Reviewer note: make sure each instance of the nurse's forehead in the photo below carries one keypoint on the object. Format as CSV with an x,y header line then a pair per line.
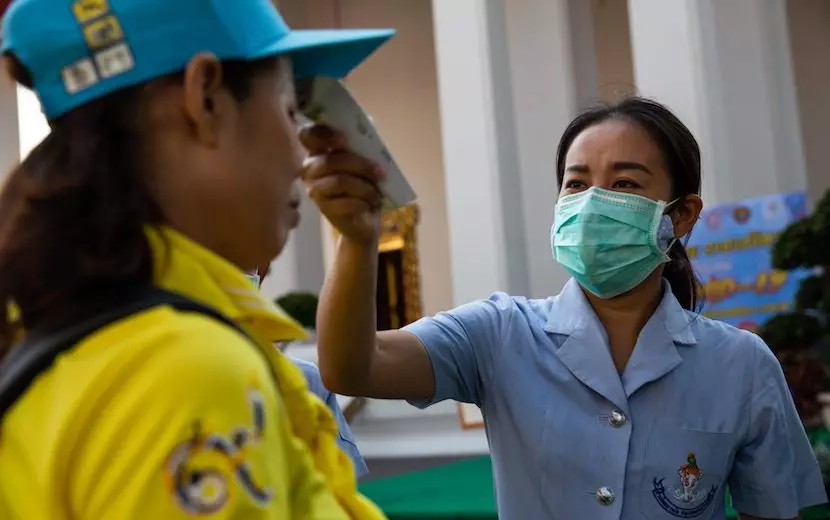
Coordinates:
x,y
617,139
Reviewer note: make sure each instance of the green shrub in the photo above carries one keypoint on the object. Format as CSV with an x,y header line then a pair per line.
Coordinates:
x,y
791,331
810,293
302,306
794,247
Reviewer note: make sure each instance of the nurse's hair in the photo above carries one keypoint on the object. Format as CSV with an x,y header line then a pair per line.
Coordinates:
x,y
73,214
681,155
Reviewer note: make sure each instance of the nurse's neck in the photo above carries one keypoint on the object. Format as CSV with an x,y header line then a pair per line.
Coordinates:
x,y
625,316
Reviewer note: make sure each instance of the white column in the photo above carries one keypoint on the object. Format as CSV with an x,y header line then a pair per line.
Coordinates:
x,y
300,266
553,73
32,124
726,69
508,84
486,242
9,128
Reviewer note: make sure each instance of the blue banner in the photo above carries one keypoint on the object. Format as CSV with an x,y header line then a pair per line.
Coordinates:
x,y
730,251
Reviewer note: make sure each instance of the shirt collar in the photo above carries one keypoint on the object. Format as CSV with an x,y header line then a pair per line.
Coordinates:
x,y
185,267
569,309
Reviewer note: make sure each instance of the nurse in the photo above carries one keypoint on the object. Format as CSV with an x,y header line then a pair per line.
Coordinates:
x,y
614,399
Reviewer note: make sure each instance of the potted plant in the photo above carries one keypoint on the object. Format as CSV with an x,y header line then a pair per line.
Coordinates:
x,y
302,306
801,338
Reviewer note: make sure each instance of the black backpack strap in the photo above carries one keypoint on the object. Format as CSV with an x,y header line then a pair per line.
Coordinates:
x,y
36,353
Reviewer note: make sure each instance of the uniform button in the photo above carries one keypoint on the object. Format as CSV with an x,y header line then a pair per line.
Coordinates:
x,y
617,419
605,496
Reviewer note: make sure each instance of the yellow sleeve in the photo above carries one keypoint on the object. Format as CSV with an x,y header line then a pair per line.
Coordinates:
x,y
198,429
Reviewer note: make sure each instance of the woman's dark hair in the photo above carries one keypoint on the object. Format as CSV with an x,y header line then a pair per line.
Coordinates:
x,y
681,155
73,213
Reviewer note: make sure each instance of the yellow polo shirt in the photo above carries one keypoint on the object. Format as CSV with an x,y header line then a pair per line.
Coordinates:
x,y
169,415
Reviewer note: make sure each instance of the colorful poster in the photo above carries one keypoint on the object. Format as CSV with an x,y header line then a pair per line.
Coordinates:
x,y
730,250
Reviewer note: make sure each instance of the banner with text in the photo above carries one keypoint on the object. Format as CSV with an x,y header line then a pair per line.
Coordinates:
x,y
730,251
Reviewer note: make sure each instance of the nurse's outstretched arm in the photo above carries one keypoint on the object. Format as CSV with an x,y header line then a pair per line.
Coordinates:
x,y
449,356
446,357
354,359
775,473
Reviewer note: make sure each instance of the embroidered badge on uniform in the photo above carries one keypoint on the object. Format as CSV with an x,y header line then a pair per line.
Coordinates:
x,y
204,491
685,500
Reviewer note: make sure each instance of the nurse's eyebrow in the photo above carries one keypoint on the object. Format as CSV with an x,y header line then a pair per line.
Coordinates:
x,y
628,165
577,168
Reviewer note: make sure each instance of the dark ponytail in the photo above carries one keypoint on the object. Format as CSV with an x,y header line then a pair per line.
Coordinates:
x,y
73,214
681,276
681,155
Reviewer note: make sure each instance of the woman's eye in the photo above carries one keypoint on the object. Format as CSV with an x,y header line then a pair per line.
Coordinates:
x,y
625,184
574,185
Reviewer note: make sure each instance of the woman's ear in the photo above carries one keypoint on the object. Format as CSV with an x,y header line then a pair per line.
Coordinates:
x,y
201,91
685,214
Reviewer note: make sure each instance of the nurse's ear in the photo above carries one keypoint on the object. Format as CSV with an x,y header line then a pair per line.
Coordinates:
x,y
685,213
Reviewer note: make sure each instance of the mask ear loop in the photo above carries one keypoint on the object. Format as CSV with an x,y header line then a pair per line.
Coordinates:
x,y
668,204
671,245
675,239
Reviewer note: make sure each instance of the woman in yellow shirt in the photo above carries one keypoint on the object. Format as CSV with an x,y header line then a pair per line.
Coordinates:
x,y
169,170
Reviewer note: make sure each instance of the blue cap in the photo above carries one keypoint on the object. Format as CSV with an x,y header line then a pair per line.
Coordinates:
x,y
80,50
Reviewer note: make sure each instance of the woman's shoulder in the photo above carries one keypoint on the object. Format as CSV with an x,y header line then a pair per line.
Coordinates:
x,y
710,333
149,365
510,308
731,347
166,343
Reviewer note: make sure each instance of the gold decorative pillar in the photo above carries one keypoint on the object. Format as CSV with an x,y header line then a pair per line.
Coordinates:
x,y
399,274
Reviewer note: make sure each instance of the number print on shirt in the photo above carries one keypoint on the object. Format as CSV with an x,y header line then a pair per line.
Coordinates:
x,y
685,500
202,488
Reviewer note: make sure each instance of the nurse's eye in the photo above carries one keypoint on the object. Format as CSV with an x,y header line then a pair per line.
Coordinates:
x,y
575,185
625,184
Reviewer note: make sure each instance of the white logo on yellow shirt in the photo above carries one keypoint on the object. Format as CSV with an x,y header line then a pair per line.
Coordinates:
x,y
198,485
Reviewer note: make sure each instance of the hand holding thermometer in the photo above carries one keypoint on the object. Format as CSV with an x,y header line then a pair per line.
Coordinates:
x,y
325,100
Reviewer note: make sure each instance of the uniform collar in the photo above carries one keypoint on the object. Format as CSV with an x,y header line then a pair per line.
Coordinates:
x,y
587,355
570,310
185,267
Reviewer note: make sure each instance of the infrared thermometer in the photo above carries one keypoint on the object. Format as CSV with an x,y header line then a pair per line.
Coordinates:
x,y
325,100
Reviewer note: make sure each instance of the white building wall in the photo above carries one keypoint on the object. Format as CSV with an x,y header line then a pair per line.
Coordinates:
x,y
726,69
552,73
508,85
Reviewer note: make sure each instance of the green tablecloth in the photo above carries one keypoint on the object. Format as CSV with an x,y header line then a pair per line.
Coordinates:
x,y
459,491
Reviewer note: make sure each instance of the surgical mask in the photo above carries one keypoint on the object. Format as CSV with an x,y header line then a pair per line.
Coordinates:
x,y
610,241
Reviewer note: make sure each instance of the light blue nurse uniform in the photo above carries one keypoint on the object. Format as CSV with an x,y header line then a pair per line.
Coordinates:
x,y
346,439
700,406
